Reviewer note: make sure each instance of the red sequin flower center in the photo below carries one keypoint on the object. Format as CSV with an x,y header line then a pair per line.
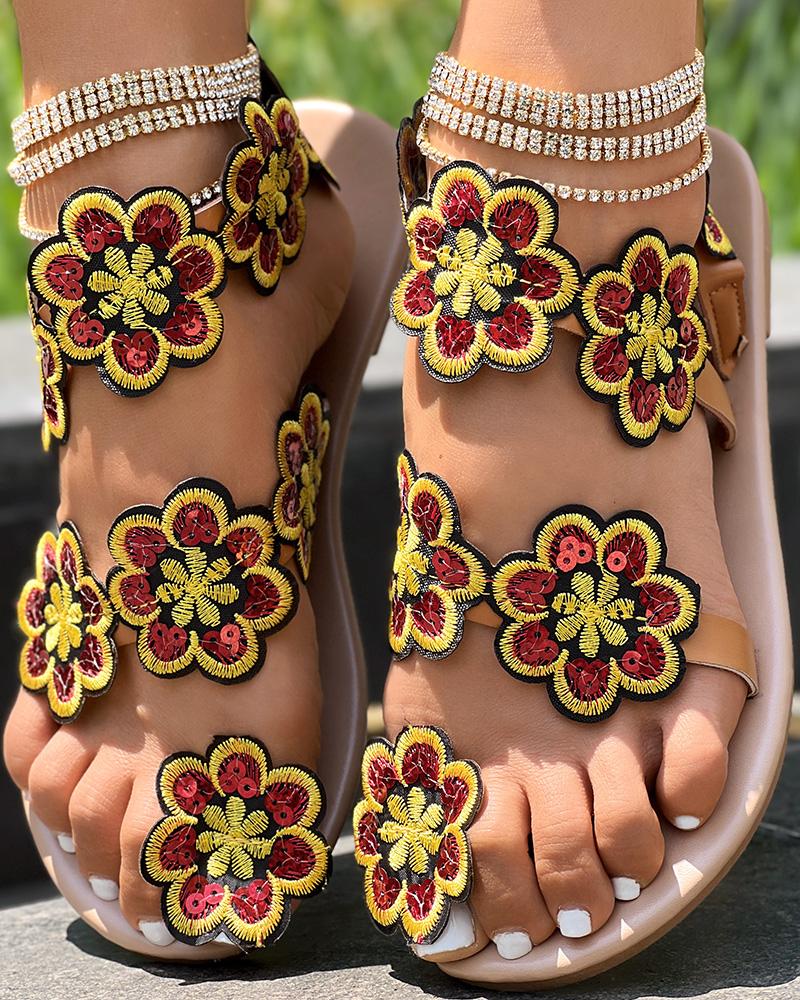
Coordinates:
x,y
131,286
200,582
594,612
238,842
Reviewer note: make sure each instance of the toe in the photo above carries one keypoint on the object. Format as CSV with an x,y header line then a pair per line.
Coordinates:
x,y
571,876
626,827
694,764
53,777
506,899
140,902
28,730
96,810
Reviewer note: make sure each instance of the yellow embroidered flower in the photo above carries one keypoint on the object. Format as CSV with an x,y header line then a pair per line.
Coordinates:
x,y
67,619
410,831
239,840
486,279
131,286
200,582
263,186
436,574
646,344
303,437
594,612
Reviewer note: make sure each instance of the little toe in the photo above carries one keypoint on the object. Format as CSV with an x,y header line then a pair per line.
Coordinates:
x,y
29,729
53,777
694,763
571,876
626,828
140,902
506,899
96,810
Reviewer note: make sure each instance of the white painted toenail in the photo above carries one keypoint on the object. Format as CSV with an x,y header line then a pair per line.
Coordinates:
x,y
686,822
104,888
156,932
512,944
66,843
459,932
626,889
574,923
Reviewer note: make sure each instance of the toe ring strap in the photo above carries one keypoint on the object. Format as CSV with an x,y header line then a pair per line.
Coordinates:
x,y
717,642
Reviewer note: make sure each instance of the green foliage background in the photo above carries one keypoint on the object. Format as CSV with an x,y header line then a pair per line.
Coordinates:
x,y
376,53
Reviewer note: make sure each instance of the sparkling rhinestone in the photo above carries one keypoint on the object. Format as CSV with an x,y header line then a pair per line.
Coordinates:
x,y
564,191
594,195
579,194
646,193
622,195
521,138
492,129
636,194
609,196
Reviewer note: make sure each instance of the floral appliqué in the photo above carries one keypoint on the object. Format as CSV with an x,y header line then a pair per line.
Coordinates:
x,y
410,831
52,378
486,279
68,622
238,842
131,286
303,437
263,185
594,612
645,343
437,575
200,582
715,238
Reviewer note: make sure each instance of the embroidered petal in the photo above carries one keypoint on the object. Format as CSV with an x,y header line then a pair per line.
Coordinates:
x,y
225,863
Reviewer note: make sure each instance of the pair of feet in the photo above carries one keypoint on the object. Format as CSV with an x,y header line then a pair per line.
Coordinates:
x,y
590,798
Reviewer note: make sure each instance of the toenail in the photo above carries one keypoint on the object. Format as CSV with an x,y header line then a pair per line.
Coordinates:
x,y
625,889
66,843
574,923
156,932
512,944
686,822
104,888
459,932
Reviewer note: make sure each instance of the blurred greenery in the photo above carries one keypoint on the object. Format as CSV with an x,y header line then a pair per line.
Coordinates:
x,y
376,53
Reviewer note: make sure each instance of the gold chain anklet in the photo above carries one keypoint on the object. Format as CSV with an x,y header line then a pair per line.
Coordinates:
x,y
566,192
537,106
131,90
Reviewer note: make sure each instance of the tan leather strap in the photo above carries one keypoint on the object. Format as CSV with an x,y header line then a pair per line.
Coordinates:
x,y
723,643
722,297
711,392
716,642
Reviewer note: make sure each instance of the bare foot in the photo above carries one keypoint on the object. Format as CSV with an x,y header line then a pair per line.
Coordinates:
x,y
94,782
513,448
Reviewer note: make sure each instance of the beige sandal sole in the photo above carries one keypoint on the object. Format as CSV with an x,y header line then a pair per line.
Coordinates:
x,y
359,149
696,862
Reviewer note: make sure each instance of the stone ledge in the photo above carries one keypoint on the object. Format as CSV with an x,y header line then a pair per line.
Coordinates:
x,y
741,944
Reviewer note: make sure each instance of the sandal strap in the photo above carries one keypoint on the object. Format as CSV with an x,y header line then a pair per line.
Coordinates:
x,y
717,642
722,297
